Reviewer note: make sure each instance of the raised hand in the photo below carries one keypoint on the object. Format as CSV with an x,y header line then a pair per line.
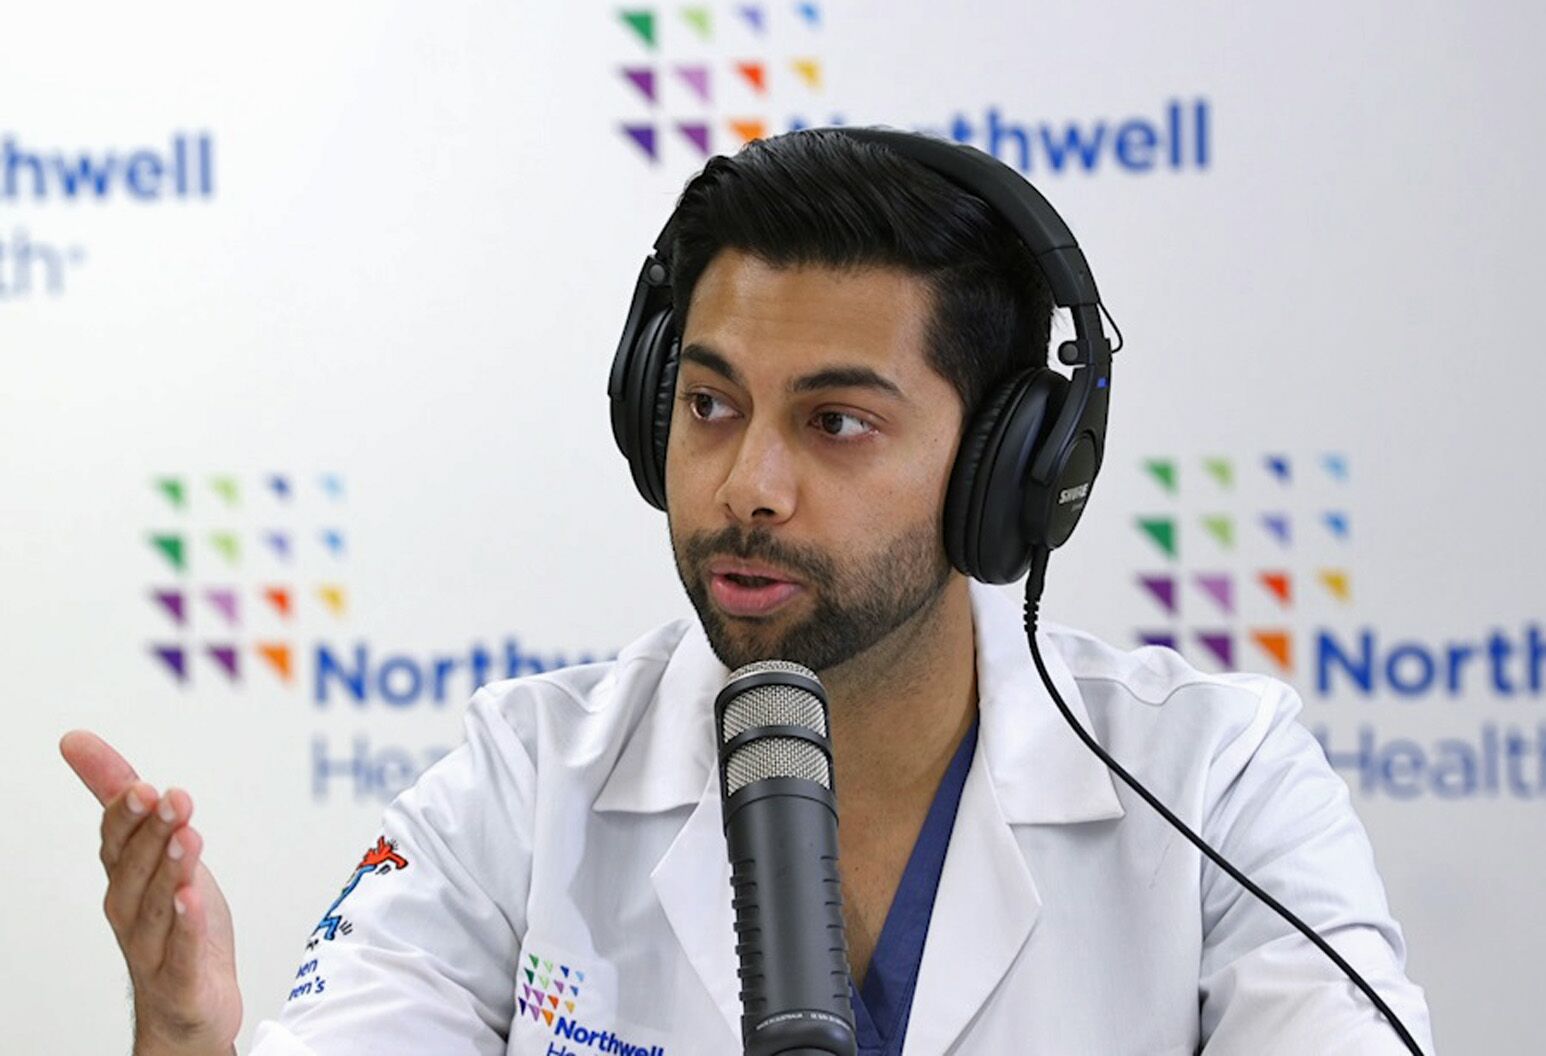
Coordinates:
x,y
165,908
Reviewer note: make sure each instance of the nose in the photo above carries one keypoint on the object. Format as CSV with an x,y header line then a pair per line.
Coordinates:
x,y
760,487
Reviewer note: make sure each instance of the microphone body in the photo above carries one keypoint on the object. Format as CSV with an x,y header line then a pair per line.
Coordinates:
x,y
781,835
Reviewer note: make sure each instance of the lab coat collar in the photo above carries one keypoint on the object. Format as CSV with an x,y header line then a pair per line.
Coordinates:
x,y
1029,769
1041,772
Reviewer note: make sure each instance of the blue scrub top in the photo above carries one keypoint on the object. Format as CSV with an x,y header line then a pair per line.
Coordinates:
x,y
883,1004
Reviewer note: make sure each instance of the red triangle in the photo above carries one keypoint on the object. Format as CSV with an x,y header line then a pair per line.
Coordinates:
x,y
754,74
1280,584
279,597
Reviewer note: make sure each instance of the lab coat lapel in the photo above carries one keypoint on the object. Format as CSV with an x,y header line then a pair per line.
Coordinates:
x,y
669,764
692,882
985,908
1029,768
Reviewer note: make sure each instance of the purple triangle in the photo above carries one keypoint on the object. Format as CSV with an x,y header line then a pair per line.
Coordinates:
x,y
225,656
1220,645
644,136
522,1003
172,602
697,78
1220,587
753,15
1157,638
560,984
1163,588
642,78
225,601
280,542
1277,524
173,657
698,133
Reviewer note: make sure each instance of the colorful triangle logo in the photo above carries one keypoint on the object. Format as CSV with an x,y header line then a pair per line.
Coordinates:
x,y
1278,645
1281,585
696,133
643,137
279,598
1162,470
642,23
224,600
1162,530
225,656
228,545
1163,590
1221,528
1221,470
642,78
698,18
226,488
173,659
277,656
754,74
1278,466
1338,582
809,71
171,547
1337,522
752,13
1278,525
172,602
1219,587
172,488
1220,645
332,595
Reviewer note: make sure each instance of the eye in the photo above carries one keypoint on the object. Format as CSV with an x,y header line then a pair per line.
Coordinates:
x,y
842,425
702,404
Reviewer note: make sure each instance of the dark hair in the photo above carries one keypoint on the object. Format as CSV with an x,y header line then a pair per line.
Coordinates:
x,y
819,197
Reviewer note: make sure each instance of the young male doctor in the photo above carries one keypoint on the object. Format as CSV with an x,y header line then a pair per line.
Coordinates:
x,y
558,885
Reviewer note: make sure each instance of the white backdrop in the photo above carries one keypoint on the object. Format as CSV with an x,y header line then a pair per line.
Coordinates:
x,y
382,253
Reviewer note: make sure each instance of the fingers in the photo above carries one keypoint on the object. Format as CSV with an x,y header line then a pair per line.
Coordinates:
x,y
141,855
147,944
185,942
122,819
106,773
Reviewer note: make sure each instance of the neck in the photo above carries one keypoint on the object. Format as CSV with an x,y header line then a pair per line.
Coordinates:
x,y
900,710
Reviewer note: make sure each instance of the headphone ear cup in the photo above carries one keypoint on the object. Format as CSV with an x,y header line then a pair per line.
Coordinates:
x,y
646,422
985,533
660,417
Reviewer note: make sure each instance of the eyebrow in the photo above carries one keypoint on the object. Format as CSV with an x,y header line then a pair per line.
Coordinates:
x,y
840,377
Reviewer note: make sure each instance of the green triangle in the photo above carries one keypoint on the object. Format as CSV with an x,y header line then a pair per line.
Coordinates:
x,y
172,547
698,18
1222,470
1162,530
226,543
1222,529
531,976
225,487
172,488
533,958
642,23
1164,471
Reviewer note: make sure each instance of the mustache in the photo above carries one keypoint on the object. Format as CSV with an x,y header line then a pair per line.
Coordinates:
x,y
758,545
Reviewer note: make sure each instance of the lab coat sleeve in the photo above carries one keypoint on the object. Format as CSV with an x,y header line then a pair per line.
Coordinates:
x,y
423,943
1275,809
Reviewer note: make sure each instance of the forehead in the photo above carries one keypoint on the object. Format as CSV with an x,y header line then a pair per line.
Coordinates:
x,y
770,320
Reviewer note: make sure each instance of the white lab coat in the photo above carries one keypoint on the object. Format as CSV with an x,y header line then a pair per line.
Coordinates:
x,y
577,835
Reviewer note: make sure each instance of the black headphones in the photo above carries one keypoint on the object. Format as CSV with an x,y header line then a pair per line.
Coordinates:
x,y
1033,446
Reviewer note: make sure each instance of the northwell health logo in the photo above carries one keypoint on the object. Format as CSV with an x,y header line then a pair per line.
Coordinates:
x,y
1251,567
46,176
707,79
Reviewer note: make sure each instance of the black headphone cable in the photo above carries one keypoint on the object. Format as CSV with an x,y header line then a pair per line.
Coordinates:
x,y
1034,584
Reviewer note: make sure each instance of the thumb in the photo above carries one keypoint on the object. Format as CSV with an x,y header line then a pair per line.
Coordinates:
x,y
97,764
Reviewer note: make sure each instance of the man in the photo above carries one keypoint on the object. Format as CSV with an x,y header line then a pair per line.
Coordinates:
x,y
559,883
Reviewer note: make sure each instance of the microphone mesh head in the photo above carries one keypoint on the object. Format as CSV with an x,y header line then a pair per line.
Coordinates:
x,y
774,705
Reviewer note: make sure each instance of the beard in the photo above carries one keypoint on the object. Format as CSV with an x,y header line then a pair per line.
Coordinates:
x,y
858,601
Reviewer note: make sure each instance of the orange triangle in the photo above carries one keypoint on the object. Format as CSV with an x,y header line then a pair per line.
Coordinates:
x,y
1279,584
278,656
547,1016
1278,644
749,130
553,998
754,74
279,597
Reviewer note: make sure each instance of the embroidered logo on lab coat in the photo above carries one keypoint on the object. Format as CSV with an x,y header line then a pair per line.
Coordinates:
x,y
378,860
552,994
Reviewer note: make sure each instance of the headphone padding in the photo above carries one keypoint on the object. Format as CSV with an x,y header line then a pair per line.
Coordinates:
x,y
961,496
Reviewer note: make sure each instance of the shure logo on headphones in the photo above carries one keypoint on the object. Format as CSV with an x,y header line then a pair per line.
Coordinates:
x,y
1071,494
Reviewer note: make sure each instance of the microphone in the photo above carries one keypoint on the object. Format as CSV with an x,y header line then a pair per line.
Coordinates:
x,y
775,764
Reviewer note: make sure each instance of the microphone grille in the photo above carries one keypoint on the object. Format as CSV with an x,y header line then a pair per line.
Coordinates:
x,y
774,704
